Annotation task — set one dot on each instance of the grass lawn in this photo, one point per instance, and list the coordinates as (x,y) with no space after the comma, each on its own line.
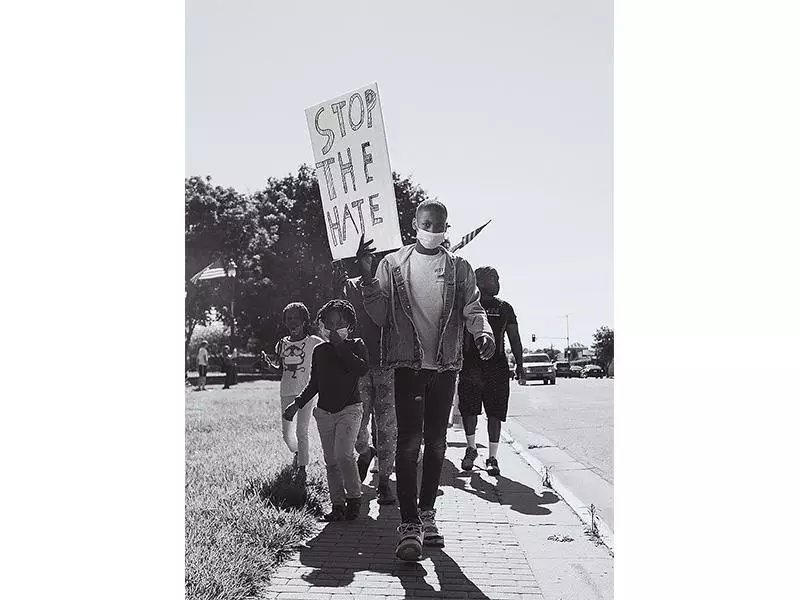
(245,508)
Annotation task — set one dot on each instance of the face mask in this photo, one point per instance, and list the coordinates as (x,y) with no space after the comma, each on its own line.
(430,240)
(343,332)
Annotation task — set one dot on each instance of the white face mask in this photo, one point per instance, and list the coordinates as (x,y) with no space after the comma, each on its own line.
(326,333)
(430,240)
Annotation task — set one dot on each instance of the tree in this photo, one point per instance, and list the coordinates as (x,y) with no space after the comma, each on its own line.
(604,346)
(277,238)
(220,223)
(551,352)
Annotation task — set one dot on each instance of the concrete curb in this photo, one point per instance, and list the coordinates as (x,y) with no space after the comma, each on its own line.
(576,504)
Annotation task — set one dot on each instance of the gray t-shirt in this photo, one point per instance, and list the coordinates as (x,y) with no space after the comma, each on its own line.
(426,294)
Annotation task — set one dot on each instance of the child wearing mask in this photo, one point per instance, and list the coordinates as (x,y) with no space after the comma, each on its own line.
(336,367)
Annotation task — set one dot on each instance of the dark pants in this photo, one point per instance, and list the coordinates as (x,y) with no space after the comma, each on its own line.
(229,378)
(422,404)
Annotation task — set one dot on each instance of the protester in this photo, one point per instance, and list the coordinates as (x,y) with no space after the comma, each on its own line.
(202,365)
(423,296)
(486,382)
(294,355)
(377,395)
(336,367)
(227,367)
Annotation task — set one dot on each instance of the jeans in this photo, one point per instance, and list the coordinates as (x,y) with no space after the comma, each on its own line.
(295,433)
(377,395)
(337,432)
(423,399)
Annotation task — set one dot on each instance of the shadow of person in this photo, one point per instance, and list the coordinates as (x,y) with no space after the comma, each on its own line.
(505,492)
(343,552)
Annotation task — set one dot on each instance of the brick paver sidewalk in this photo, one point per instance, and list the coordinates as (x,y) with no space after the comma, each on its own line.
(490,544)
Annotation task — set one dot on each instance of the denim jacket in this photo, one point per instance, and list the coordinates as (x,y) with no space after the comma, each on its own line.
(386,302)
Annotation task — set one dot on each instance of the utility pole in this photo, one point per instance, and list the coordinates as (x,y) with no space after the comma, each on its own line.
(568,359)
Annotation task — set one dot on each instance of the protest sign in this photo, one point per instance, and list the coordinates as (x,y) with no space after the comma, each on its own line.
(355,179)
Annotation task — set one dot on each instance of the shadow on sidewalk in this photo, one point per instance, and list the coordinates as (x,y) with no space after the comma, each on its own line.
(366,545)
(505,492)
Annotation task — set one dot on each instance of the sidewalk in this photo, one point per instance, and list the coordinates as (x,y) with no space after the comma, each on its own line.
(506,538)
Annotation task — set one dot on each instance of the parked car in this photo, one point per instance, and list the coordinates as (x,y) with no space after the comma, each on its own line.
(562,368)
(575,370)
(539,367)
(592,371)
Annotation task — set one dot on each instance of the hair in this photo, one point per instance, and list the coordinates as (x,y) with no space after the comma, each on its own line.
(481,271)
(303,310)
(343,307)
(431,204)
(204,343)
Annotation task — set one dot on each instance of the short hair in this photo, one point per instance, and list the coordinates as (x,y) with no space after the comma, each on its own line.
(343,307)
(431,204)
(482,271)
(204,343)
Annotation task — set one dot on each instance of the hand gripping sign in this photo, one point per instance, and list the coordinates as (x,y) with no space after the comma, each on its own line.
(355,179)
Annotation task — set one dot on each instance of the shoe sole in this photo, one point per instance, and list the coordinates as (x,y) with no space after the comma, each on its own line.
(434,542)
(409,553)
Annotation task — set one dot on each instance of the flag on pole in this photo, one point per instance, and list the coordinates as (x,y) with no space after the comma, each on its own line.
(214,271)
(469,237)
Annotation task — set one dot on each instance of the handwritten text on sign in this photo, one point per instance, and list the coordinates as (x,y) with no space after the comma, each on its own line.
(355,179)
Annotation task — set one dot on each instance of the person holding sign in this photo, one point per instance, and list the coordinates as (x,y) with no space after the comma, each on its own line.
(423,297)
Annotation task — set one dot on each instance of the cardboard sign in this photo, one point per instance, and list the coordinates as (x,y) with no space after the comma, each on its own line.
(355,179)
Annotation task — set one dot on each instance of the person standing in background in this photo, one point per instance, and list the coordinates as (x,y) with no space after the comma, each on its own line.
(486,382)
(202,366)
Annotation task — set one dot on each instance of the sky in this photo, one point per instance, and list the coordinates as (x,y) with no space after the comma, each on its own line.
(501,110)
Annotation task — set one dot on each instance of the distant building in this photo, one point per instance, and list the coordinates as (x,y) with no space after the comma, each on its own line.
(577,351)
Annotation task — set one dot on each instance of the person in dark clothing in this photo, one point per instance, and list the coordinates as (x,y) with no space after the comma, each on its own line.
(227,367)
(486,382)
(377,396)
(336,366)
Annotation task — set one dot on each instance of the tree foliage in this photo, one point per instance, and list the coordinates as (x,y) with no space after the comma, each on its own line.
(276,236)
(603,345)
(551,352)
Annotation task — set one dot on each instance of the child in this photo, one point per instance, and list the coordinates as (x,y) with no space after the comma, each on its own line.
(423,297)
(335,370)
(485,382)
(294,355)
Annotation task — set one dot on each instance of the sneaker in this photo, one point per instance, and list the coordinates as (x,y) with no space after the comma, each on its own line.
(363,462)
(409,548)
(352,509)
(336,514)
(385,493)
(469,458)
(491,467)
(430,532)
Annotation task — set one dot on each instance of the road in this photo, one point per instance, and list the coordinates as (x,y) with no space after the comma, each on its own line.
(577,415)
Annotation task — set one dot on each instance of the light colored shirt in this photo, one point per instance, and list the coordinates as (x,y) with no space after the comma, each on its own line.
(202,357)
(295,358)
(426,295)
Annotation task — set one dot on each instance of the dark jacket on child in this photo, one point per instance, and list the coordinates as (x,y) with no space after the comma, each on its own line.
(335,371)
